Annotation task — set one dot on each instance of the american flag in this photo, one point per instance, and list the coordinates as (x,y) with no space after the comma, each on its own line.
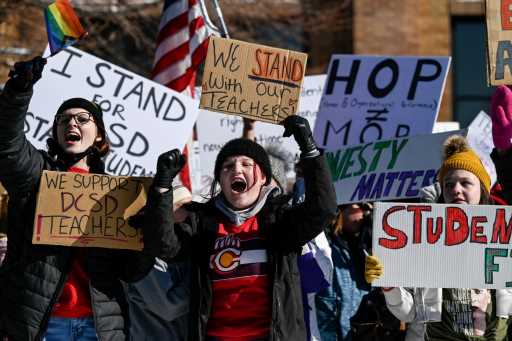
(182,43)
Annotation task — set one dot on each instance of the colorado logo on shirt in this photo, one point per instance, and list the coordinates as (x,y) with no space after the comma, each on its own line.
(234,257)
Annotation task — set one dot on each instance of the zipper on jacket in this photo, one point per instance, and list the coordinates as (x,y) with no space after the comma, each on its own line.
(94,315)
(58,292)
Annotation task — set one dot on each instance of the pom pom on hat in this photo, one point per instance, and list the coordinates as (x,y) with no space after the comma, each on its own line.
(457,154)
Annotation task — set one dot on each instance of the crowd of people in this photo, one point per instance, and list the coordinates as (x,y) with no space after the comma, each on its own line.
(252,263)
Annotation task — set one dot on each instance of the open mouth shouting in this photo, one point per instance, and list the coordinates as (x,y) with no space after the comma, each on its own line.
(238,185)
(72,137)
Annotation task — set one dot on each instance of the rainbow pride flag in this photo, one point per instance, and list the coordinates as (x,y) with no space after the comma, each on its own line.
(62,26)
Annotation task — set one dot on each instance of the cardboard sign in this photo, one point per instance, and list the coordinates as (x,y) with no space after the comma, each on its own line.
(369,98)
(89,210)
(480,139)
(386,169)
(499,41)
(143,119)
(443,246)
(214,130)
(254,81)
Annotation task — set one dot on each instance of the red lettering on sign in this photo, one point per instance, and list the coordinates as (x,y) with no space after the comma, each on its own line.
(456,236)
(501,230)
(417,209)
(433,236)
(477,231)
(506,14)
(400,237)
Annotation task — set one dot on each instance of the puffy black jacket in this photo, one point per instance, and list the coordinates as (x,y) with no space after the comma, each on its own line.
(32,276)
(285,229)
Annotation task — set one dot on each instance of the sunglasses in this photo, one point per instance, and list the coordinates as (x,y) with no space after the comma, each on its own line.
(80,118)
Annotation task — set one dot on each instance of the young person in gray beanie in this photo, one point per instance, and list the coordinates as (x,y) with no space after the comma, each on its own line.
(53,292)
(245,283)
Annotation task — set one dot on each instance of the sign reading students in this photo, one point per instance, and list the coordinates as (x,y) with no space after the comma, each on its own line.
(499,41)
(254,81)
(142,118)
(368,98)
(89,210)
(443,246)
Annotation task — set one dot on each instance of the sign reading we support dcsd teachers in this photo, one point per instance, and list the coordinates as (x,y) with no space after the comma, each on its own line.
(142,118)
(368,98)
(386,169)
(443,246)
(254,81)
(89,210)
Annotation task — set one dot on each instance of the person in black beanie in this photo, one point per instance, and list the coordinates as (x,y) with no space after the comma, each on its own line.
(57,292)
(246,282)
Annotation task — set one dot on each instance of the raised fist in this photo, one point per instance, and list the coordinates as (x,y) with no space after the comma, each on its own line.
(168,166)
(501,115)
(299,127)
(27,73)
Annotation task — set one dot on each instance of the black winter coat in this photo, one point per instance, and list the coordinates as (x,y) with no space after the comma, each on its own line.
(32,276)
(285,228)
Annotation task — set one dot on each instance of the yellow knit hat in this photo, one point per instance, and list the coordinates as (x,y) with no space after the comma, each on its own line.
(457,154)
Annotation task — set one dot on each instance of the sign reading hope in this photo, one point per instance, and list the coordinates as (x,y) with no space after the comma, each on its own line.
(89,210)
(368,98)
(142,118)
(386,169)
(448,246)
(499,41)
(254,81)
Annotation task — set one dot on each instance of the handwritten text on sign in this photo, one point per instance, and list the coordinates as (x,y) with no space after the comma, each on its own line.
(499,41)
(254,81)
(139,114)
(92,210)
(386,169)
(368,98)
(447,246)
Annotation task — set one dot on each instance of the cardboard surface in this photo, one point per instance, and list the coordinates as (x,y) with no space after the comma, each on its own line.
(254,81)
(386,169)
(443,246)
(143,119)
(499,41)
(89,210)
(369,98)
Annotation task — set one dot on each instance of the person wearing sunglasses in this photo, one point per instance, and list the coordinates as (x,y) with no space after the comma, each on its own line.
(57,292)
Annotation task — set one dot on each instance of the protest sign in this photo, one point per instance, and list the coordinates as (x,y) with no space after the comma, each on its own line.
(214,130)
(386,169)
(443,246)
(368,98)
(480,139)
(142,118)
(440,127)
(499,41)
(89,210)
(254,81)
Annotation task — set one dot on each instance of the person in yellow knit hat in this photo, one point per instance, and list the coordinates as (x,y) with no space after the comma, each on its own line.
(452,314)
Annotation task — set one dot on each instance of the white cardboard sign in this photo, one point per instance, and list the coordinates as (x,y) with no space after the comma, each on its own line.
(368,98)
(214,129)
(443,246)
(142,118)
(386,169)
(480,139)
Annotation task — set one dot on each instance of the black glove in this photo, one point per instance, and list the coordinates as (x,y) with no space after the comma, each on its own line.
(27,73)
(299,127)
(169,164)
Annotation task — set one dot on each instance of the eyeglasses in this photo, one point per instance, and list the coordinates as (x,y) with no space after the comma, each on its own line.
(81,118)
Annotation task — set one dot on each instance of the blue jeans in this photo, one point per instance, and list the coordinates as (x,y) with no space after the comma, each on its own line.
(70,329)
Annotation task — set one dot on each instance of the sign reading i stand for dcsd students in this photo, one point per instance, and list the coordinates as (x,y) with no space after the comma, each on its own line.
(89,210)
(499,41)
(443,245)
(368,98)
(254,81)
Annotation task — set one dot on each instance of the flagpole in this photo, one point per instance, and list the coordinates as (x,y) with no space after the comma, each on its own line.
(225,33)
